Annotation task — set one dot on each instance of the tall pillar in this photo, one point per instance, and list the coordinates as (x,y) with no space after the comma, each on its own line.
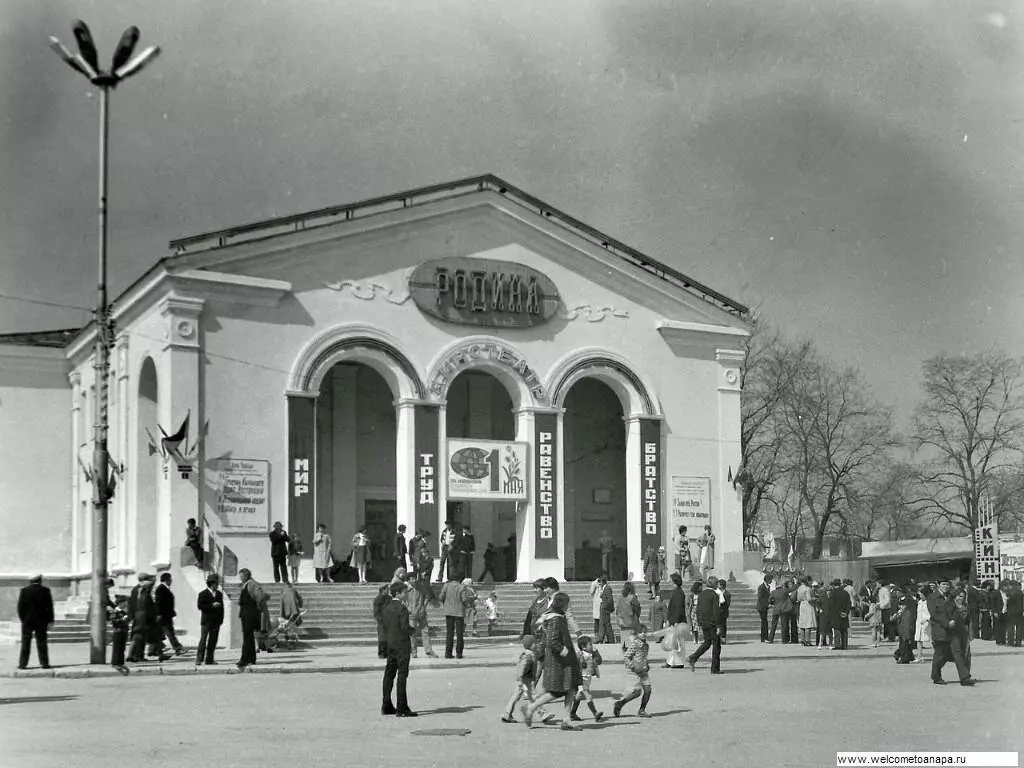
(539,538)
(442,484)
(344,516)
(125,550)
(302,469)
(427,468)
(644,490)
(728,525)
(405,466)
(179,498)
(634,491)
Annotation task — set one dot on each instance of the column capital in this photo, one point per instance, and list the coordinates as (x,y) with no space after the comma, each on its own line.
(639,417)
(182,315)
(524,409)
(412,402)
(300,393)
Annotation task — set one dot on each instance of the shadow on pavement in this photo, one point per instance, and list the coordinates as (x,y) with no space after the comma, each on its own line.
(670,712)
(449,710)
(741,671)
(33,699)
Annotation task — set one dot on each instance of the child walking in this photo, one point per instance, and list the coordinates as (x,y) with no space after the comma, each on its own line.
(874,619)
(590,663)
(635,660)
(118,616)
(526,673)
(494,614)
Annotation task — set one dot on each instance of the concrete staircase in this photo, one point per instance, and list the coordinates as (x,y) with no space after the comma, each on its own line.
(342,614)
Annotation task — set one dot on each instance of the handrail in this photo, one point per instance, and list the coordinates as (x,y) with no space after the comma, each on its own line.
(376,205)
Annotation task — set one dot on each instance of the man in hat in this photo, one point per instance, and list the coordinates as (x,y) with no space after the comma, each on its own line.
(35,610)
(949,635)
(251,605)
(146,639)
(165,612)
(279,552)
(211,607)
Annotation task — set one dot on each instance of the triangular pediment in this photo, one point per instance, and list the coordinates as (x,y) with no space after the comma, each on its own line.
(380,242)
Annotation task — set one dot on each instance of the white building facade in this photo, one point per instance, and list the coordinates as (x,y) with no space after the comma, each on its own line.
(462,352)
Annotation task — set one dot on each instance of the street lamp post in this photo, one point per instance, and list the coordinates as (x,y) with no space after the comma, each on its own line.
(122,67)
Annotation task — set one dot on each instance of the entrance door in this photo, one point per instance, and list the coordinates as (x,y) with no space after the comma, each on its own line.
(380,516)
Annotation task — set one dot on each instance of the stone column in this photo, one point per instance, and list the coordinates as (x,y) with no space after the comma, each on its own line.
(179,498)
(634,493)
(125,547)
(405,467)
(728,524)
(536,559)
(344,516)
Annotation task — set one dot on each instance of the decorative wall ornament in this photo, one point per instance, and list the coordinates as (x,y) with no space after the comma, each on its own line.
(476,352)
(732,376)
(367,290)
(176,447)
(592,314)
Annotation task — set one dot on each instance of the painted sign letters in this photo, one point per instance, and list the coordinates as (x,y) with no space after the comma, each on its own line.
(546,492)
(428,474)
(301,465)
(650,484)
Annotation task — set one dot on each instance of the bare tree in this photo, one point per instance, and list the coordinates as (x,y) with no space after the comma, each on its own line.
(837,437)
(969,434)
(769,363)
(883,508)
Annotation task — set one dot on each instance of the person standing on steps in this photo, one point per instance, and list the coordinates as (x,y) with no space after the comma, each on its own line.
(322,548)
(361,553)
(35,611)
(467,549)
(398,632)
(279,552)
(401,548)
(607,546)
(210,603)
(447,539)
(295,553)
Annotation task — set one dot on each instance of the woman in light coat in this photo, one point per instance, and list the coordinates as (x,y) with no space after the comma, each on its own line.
(322,548)
(361,553)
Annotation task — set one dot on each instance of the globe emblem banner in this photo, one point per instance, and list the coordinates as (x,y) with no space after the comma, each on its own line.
(487,469)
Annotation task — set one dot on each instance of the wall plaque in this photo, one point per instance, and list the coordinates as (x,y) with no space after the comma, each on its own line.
(484,292)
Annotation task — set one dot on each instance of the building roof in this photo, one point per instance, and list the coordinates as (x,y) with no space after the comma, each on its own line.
(913,551)
(53,339)
(283,225)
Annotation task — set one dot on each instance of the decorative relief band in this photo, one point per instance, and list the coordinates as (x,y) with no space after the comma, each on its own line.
(367,291)
(591,313)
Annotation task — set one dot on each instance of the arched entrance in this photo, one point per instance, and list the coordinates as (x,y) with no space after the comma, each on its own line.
(147,468)
(594,439)
(356,461)
(480,407)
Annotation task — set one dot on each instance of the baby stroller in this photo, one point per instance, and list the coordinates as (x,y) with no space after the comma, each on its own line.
(285,634)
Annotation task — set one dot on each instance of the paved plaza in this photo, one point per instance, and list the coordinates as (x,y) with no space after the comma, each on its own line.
(774,705)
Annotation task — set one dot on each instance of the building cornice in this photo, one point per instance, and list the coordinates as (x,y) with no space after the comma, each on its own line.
(16,357)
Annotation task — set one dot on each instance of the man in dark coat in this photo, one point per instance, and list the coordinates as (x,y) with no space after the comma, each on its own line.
(764,591)
(949,633)
(279,552)
(250,611)
(1014,614)
(725,600)
(709,617)
(401,550)
(146,636)
(165,613)
(465,547)
(35,610)
(839,606)
(397,631)
(782,606)
(675,614)
(211,609)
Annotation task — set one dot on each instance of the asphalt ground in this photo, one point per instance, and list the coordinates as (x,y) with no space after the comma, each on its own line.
(774,705)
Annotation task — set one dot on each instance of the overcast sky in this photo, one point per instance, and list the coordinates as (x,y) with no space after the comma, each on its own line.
(851,168)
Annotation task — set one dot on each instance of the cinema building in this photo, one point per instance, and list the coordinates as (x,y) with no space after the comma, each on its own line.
(460,352)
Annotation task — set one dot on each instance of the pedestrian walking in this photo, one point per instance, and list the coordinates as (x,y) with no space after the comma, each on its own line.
(639,670)
(490,563)
(628,611)
(561,667)
(401,549)
(210,603)
(708,614)
(35,611)
(950,629)
(590,668)
(526,675)
(398,632)
(421,597)
(165,613)
(675,615)
(279,552)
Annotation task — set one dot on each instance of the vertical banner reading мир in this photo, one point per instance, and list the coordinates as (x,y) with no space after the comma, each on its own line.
(650,484)
(301,465)
(425,461)
(546,489)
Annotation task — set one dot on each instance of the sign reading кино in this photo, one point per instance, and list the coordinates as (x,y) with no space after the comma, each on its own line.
(486,292)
